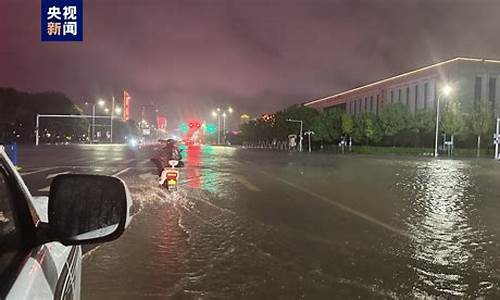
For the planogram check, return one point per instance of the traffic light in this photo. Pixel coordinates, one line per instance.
(210, 128)
(194, 125)
(184, 127)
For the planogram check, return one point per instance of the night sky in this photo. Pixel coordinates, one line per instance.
(186, 57)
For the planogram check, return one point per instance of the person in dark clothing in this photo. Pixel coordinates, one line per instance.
(168, 151)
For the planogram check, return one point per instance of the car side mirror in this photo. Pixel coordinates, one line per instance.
(87, 208)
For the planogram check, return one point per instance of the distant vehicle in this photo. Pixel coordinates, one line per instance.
(40, 237)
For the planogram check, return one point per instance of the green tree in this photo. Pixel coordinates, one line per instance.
(479, 122)
(327, 126)
(367, 129)
(393, 120)
(452, 120)
(347, 124)
(18, 110)
(421, 124)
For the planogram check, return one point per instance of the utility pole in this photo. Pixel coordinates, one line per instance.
(497, 138)
(224, 127)
(37, 130)
(112, 115)
(93, 124)
(445, 92)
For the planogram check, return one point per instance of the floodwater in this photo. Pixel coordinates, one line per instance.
(259, 225)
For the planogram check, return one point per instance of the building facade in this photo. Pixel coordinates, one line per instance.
(471, 80)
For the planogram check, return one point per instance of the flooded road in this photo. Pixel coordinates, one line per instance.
(257, 225)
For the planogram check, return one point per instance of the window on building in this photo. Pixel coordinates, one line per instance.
(426, 94)
(407, 96)
(360, 103)
(477, 89)
(366, 104)
(371, 103)
(492, 86)
(416, 97)
(376, 108)
(399, 95)
(392, 97)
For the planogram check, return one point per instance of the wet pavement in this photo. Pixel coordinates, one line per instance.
(249, 224)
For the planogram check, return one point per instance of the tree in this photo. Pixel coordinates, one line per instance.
(367, 129)
(327, 126)
(347, 124)
(393, 120)
(452, 121)
(421, 124)
(479, 122)
(18, 110)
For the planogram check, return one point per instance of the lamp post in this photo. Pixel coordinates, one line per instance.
(309, 132)
(100, 103)
(300, 138)
(218, 113)
(111, 121)
(446, 91)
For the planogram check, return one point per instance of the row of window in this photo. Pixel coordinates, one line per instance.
(492, 87)
(372, 105)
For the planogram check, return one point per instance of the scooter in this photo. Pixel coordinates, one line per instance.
(170, 176)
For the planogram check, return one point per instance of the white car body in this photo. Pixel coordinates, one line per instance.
(49, 270)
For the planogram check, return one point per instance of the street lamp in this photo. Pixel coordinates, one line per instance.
(446, 91)
(93, 118)
(217, 114)
(300, 138)
(309, 132)
(101, 102)
(118, 110)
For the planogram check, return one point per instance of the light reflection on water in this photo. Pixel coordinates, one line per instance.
(214, 238)
(449, 239)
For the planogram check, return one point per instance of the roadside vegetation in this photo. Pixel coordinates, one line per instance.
(395, 127)
(18, 119)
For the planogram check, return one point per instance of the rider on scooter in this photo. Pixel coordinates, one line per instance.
(168, 151)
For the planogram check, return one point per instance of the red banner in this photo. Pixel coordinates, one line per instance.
(161, 122)
(126, 106)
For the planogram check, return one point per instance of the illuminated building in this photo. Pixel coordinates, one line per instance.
(471, 79)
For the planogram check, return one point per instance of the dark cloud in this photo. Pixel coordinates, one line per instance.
(186, 57)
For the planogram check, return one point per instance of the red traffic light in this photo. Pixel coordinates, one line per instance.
(194, 125)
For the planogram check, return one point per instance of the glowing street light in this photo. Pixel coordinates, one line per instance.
(446, 91)
(217, 114)
(106, 110)
(118, 110)
(101, 102)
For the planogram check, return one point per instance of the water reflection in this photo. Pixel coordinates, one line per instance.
(448, 238)
(192, 156)
(203, 166)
